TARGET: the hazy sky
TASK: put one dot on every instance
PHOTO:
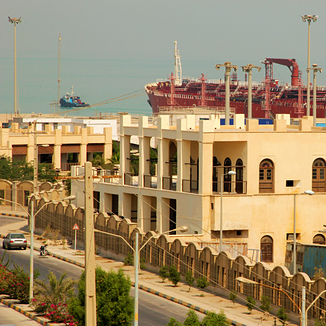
(206, 30)
(224, 30)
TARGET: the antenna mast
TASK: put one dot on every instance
(59, 80)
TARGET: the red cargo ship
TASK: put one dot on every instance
(268, 98)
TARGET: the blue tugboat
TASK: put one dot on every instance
(70, 100)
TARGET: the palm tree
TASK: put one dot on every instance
(53, 291)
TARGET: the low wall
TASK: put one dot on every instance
(221, 270)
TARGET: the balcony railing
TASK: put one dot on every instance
(169, 183)
(239, 187)
(67, 166)
(131, 179)
(150, 181)
(190, 186)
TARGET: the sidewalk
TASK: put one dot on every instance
(150, 282)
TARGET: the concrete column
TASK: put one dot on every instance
(181, 125)
(57, 148)
(125, 120)
(206, 139)
(142, 123)
(83, 147)
(162, 123)
(107, 144)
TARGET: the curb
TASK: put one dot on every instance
(14, 215)
(28, 314)
(141, 287)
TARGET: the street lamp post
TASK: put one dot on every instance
(15, 21)
(248, 68)
(136, 259)
(307, 192)
(228, 67)
(314, 96)
(31, 221)
(221, 208)
(308, 18)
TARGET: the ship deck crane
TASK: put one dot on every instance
(290, 63)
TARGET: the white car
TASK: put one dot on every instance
(14, 240)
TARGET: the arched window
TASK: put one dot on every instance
(266, 176)
(318, 175)
(319, 239)
(216, 163)
(239, 176)
(227, 177)
(266, 249)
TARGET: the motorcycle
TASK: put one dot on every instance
(43, 250)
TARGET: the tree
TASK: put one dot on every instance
(189, 279)
(192, 319)
(53, 291)
(174, 322)
(212, 319)
(233, 296)
(265, 303)
(250, 303)
(202, 283)
(114, 305)
(164, 273)
(282, 315)
(174, 275)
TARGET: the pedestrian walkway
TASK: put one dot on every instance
(150, 282)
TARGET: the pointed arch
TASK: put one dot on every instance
(227, 177)
(266, 176)
(318, 175)
(239, 176)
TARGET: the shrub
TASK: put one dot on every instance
(265, 303)
(250, 303)
(215, 319)
(189, 279)
(233, 296)
(52, 295)
(114, 305)
(129, 260)
(18, 284)
(59, 314)
(174, 275)
(282, 315)
(164, 273)
(202, 283)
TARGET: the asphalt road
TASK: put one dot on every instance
(153, 310)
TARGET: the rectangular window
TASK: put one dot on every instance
(261, 174)
(288, 256)
(269, 174)
(322, 173)
(238, 232)
(289, 183)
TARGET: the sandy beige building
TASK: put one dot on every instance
(61, 147)
(271, 164)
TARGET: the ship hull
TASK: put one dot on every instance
(287, 103)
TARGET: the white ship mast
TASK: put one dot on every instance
(177, 66)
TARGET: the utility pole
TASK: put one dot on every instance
(90, 282)
(31, 261)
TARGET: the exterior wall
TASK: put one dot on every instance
(248, 215)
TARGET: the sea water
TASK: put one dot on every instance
(94, 80)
